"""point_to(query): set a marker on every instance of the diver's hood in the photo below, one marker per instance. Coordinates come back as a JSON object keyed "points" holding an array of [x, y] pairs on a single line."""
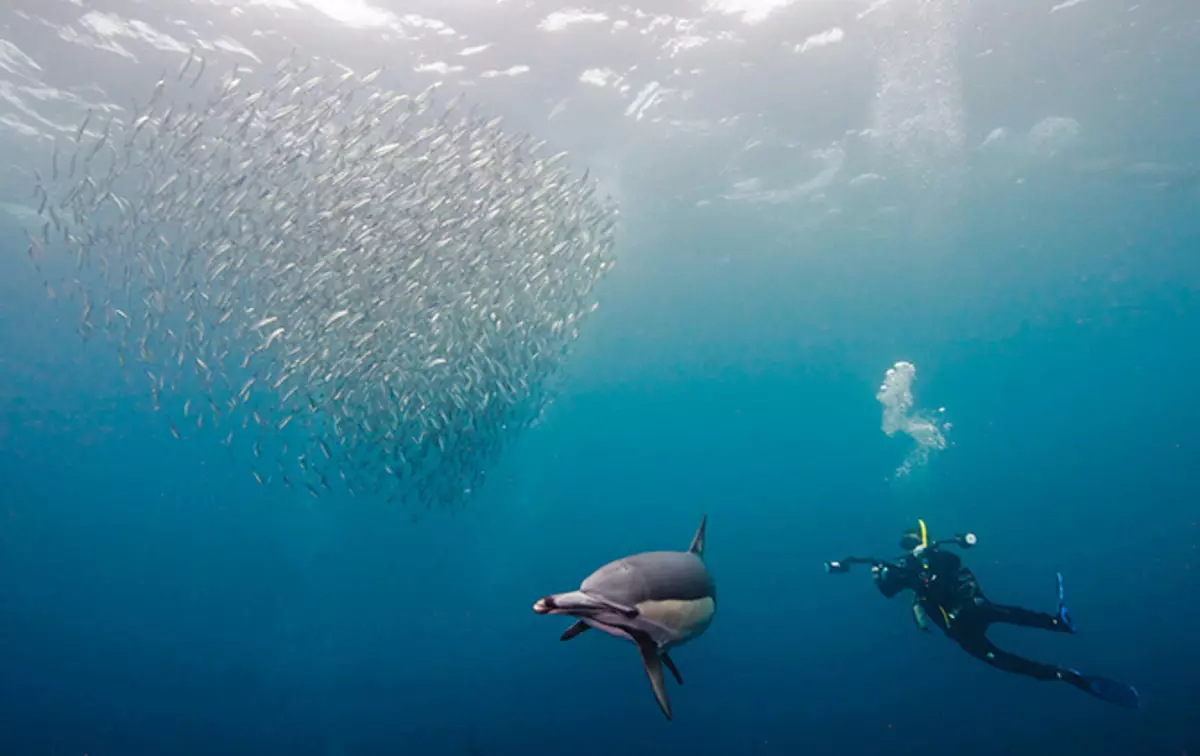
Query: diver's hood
{"points": [[914, 537]]}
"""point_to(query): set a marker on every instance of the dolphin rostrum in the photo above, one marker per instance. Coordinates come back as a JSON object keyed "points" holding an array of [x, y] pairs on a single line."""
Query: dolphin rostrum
{"points": [[658, 600]]}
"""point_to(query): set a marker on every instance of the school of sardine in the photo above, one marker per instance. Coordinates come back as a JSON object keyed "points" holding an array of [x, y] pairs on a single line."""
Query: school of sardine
{"points": [[348, 286]]}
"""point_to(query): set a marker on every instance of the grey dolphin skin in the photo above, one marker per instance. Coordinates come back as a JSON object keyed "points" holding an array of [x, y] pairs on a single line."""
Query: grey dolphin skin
{"points": [[658, 599]]}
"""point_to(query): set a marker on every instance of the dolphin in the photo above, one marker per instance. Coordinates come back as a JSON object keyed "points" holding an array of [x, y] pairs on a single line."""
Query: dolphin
{"points": [[659, 600]]}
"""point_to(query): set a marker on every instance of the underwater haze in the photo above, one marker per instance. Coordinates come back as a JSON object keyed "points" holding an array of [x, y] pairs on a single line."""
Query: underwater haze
{"points": [[875, 261]]}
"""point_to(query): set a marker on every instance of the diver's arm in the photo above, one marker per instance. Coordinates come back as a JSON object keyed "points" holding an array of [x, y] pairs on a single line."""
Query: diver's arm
{"points": [[890, 578]]}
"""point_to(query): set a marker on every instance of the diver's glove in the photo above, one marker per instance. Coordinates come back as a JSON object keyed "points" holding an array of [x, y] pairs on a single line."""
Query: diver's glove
{"points": [[885, 579]]}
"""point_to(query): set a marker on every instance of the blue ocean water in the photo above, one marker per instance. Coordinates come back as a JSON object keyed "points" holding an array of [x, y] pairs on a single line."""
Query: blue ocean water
{"points": [[153, 600]]}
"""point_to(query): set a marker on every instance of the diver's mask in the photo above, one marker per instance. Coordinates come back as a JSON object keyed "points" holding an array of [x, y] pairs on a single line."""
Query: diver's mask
{"points": [[910, 540]]}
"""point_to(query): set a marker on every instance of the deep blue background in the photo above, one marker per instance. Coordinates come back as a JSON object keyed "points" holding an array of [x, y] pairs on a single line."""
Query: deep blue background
{"points": [[154, 600]]}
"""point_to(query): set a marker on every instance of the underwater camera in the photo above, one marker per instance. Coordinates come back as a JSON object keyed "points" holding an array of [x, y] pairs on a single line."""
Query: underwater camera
{"points": [[965, 540]]}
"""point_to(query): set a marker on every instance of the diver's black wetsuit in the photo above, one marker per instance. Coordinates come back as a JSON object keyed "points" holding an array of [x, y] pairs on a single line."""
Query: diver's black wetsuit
{"points": [[950, 596]]}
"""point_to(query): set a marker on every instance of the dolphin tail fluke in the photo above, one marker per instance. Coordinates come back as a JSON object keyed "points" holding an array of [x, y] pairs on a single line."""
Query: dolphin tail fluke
{"points": [[697, 546], [654, 670], [574, 630], [671, 666]]}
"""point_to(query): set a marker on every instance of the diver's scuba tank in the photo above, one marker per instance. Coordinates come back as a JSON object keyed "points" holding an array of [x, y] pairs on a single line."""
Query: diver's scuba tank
{"points": [[920, 616]]}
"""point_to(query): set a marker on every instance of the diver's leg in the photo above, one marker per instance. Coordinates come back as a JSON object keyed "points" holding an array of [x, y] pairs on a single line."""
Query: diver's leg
{"points": [[981, 648], [1014, 615], [1112, 691], [1059, 622]]}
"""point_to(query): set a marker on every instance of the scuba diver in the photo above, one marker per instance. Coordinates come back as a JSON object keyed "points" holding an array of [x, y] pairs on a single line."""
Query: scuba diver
{"points": [[946, 593]]}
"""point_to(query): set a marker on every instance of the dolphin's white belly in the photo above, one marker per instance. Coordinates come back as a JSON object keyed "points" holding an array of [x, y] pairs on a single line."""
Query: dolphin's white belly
{"points": [[673, 622]]}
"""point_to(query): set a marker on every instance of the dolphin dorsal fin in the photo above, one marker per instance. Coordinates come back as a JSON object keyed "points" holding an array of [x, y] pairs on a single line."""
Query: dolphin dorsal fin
{"points": [[697, 546]]}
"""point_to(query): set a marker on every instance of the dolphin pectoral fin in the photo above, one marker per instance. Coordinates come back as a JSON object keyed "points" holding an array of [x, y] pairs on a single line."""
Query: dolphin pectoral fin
{"points": [[575, 629], [671, 666], [654, 670], [697, 546]]}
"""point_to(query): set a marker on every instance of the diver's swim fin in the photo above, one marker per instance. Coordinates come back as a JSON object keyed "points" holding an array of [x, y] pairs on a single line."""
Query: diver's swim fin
{"points": [[1108, 690], [1114, 692], [1063, 616]]}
